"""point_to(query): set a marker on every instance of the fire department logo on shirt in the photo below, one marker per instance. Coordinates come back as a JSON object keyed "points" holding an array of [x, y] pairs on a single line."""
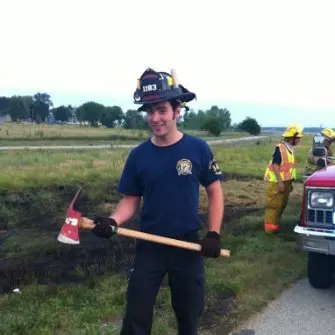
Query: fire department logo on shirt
{"points": [[213, 165], [184, 167]]}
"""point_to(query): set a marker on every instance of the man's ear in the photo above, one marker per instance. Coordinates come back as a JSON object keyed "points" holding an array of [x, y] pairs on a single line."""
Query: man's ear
{"points": [[177, 112]]}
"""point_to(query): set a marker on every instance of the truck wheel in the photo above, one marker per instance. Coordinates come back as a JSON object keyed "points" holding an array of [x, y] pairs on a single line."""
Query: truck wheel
{"points": [[320, 270]]}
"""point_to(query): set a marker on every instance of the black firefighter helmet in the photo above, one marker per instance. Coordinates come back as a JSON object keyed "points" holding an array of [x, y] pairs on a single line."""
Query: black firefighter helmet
{"points": [[153, 87]]}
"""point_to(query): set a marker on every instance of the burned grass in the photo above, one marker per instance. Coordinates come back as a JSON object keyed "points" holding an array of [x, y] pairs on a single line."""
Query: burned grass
{"points": [[89, 281]]}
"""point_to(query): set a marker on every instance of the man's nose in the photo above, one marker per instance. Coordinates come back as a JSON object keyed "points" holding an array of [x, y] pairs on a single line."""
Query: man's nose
{"points": [[155, 117]]}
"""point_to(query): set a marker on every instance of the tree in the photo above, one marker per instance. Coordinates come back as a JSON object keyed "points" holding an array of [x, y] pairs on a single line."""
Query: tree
{"points": [[61, 113], [91, 112], [199, 120], [4, 105], [212, 124], [134, 120], [193, 120], [222, 115], [112, 116], [41, 105], [19, 108], [250, 125]]}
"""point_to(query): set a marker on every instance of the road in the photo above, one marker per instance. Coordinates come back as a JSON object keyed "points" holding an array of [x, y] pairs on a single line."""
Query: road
{"points": [[118, 146], [300, 310]]}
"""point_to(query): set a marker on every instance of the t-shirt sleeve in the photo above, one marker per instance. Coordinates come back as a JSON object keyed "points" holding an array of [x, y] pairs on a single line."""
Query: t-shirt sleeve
{"points": [[129, 183], [210, 171], [276, 157]]}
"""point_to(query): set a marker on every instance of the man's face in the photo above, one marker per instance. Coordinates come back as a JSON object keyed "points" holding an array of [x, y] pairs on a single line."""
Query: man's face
{"points": [[294, 140], [162, 118]]}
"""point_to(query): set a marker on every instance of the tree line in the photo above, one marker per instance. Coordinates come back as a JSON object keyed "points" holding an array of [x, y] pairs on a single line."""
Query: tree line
{"points": [[40, 108]]}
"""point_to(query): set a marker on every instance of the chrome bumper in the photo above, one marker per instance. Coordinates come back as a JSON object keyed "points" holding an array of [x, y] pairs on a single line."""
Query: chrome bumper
{"points": [[317, 240]]}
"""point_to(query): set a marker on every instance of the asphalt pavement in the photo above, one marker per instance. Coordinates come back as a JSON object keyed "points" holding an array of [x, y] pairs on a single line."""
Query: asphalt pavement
{"points": [[300, 310]]}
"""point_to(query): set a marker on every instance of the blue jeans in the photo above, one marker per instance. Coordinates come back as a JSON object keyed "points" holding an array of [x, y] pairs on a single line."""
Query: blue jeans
{"points": [[185, 271]]}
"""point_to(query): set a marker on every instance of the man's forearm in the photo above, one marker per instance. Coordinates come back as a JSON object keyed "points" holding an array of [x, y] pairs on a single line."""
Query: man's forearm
{"points": [[215, 211], [125, 209], [277, 172]]}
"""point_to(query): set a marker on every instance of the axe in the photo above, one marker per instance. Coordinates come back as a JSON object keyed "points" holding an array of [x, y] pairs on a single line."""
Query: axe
{"points": [[69, 233]]}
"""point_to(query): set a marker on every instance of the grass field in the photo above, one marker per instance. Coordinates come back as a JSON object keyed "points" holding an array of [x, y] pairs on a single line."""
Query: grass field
{"points": [[14, 131], [20, 134], [81, 289]]}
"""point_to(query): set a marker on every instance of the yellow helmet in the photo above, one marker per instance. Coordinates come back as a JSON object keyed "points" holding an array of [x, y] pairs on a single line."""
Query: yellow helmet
{"points": [[329, 134], [293, 131]]}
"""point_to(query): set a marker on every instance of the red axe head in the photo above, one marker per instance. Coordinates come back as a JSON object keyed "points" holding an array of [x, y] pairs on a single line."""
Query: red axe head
{"points": [[69, 233]]}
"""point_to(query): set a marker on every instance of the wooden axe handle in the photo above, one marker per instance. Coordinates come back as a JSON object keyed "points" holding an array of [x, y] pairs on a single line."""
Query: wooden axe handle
{"points": [[87, 223]]}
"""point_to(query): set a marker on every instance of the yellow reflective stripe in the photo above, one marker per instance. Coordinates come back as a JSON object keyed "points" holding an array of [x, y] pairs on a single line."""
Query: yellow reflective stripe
{"points": [[286, 168], [287, 165], [283, 152]]}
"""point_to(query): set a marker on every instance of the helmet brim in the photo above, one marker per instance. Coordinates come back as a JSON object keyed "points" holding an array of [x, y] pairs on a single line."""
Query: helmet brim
{"points": [[184, 97], [291, 136]]}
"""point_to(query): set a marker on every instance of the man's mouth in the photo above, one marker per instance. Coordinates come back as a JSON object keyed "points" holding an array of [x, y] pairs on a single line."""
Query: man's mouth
{"points": [[157, 127]]}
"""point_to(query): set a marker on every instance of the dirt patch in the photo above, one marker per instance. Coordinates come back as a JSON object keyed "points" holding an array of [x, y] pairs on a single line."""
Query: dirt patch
{"points": [[34, 216], [235, 212], [216, 312], [68, 264]]}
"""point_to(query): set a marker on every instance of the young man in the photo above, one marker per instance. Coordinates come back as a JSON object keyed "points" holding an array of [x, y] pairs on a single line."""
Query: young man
{"points": [[315, 162], [167, 171], [280, 174]]}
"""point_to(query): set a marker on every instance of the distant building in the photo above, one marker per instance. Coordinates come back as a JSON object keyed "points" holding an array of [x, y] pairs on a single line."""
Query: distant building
{"points": [[50, 118], [5, 118]]}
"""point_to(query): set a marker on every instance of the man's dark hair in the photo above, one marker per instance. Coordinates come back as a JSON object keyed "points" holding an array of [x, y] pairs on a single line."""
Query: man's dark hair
{"points": [[175, 104]]}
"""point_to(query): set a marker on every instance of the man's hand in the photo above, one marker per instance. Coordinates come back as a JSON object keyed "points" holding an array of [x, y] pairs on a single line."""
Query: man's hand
{"points": [[281, 186], [210, 245], [104, 227]]}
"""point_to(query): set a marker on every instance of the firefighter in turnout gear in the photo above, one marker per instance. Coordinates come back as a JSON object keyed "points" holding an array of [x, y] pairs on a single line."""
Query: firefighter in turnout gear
{"points": [[319, 156], [280, 174]]}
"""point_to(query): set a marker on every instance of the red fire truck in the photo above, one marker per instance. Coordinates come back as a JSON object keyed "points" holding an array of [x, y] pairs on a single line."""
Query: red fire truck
{"points": [[317, 224]]}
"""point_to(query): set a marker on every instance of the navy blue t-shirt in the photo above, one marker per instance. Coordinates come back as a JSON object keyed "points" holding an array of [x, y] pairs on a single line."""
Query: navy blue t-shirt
{"points": [[168, 178], [276, 157]]}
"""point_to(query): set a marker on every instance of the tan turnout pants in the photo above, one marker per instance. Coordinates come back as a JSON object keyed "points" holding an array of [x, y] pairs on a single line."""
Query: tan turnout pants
{"points": [[276, 202]]}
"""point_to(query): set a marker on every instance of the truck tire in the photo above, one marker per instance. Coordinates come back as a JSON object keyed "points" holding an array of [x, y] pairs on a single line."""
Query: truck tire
{"points": [[320, 270]]}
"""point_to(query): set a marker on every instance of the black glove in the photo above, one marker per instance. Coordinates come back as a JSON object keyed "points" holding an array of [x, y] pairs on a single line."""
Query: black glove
{"points": [[210, 245], [104, 227], [321, 162]]}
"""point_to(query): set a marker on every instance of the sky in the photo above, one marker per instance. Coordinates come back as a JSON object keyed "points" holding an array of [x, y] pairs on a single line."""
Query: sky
{"points": [[271, 60]]}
